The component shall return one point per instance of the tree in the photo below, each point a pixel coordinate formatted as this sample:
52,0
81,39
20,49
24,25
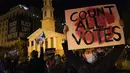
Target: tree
20,46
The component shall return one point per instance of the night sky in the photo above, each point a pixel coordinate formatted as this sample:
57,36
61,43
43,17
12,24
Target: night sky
61,5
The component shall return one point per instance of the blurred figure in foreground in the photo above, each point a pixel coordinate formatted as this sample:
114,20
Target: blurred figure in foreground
59,66
36,65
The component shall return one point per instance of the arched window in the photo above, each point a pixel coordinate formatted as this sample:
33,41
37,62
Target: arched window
51,13
32,43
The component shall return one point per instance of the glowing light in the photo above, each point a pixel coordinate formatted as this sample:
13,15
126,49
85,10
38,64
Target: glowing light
113,47
21,6
33,14
26,8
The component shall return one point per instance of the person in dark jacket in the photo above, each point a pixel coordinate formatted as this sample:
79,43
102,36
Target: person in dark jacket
59,66
91,62
36,65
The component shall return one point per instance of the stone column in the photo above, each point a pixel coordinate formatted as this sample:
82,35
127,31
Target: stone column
44,46
34,45
29,47
49,42
55,42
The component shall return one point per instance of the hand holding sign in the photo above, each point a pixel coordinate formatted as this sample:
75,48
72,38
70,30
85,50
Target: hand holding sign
65,30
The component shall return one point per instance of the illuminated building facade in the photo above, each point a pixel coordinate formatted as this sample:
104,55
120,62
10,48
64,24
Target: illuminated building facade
18,23
53,39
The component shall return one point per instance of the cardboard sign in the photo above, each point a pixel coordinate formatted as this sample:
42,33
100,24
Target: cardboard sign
94,26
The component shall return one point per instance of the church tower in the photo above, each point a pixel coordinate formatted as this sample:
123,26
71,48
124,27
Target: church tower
48,21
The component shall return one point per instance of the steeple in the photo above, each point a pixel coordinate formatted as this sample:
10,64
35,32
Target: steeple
48,21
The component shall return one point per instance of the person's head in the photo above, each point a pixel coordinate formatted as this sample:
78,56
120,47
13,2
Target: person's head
91,55
100,52
34,54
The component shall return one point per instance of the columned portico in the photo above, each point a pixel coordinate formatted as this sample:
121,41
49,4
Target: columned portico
55,42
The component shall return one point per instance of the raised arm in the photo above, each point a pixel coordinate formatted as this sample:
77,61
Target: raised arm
71,57
41,51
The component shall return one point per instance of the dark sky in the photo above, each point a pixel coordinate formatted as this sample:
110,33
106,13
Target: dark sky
61,5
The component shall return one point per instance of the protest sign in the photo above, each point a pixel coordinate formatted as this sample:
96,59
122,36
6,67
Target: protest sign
94,26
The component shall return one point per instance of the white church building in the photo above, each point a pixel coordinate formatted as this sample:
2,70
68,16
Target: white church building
53,39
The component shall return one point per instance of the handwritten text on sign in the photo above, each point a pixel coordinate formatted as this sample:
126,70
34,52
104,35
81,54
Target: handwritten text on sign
94,26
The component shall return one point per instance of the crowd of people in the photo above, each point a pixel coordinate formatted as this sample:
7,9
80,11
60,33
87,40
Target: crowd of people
48,64
96,60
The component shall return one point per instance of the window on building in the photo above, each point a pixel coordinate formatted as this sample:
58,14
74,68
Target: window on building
2,25
6,35
46,43
2,35
6,23
3,30
52,42
50,3
51,13
45,13
6,28
2,42
32,43
5,40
